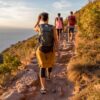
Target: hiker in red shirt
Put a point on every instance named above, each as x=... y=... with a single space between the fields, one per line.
x=71 y=27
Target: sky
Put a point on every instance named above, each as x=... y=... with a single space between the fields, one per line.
x=23 y=13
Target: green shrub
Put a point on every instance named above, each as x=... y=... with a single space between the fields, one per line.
x=4 y=69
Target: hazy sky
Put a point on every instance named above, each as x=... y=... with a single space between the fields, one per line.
x=23 y=13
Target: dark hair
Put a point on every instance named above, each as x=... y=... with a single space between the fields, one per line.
x=44 y=16
x=71 y=12
x=59 y=14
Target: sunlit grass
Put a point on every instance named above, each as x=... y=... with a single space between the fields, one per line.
x=85 y=67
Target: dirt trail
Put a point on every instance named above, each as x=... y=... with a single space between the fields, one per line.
x=59 y=88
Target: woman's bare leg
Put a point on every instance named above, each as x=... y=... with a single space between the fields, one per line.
x=43 y=83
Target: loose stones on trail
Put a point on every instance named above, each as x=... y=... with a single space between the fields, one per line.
x=12 y=95
x=22 y=85
x=28 y=79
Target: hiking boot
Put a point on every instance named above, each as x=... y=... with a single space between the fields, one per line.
x=43 y=91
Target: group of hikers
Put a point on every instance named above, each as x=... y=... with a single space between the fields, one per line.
x=70 y=28
x=49 y=37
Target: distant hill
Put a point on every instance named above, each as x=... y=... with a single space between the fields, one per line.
x=84 y=68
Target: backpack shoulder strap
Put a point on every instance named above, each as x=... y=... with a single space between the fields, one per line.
x=41 y=27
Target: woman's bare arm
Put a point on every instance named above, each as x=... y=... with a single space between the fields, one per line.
x=56 y=42
x=55 y=37
x=38 y=21
x=36 y=29
x=55 y=21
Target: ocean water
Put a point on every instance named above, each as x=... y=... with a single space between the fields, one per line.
x=10 y=36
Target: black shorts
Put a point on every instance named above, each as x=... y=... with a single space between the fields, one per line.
x=59 y=31
x=43 y=72
x=71 y=29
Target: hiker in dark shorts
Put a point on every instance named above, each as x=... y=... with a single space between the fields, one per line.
x=59 y=25
x=45 y=52
x=71 y=27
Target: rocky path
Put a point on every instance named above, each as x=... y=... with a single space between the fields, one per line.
x=27 y=86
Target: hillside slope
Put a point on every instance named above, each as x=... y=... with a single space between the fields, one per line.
x=84 y=68
x=15 y=58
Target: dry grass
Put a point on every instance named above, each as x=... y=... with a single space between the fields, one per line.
x=16 y=56
x=84 y=69
x=92 y=92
